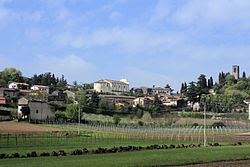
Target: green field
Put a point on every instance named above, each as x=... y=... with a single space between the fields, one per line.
x=138 y=158
x=93 y=137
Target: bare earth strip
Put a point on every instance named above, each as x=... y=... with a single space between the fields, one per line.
x=241 y=163
x=8 y=127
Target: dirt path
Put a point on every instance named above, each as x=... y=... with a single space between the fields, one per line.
x=9 y=127
x=240 y=163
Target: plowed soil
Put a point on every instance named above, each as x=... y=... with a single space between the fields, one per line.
x=9 y=127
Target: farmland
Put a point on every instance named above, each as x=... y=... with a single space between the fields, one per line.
x=19 y=138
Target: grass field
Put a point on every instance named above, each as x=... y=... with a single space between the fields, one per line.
x=65 y=138
x=139 y=158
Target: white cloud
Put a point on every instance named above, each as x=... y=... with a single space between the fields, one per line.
x=73 y=67
x=213 y=12
x=114 y=15
x=129 y=40
x=161 y=10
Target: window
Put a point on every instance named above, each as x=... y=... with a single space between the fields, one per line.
x=37 y=111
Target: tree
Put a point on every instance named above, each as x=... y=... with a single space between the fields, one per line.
x=116 y=119
x=244 y=75
x=156 y=100
x=230 y=80
x=169 y=87
x=94 y=100
x=202 y=85
x=72 y=111
x=192 y=92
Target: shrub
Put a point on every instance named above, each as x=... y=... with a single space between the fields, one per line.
x=60 y=114
x=116 y=119
x=195 y=124
x=147 y=117
x=140 y=123
x=218 y=124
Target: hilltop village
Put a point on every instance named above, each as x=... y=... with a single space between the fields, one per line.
x=45 y=97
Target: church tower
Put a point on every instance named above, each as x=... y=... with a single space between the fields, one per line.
x=236 y=71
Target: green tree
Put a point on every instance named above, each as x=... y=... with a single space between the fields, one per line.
x=116 y=119
x=72 y=111
x=192 y=92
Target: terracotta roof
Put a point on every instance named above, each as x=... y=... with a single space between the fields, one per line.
x=40 y=86
x=25 y=91
x=19 y=83
x=160 y=88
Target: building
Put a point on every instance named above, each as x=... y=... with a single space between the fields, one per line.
x=33 y=109
x=19 y=85
x=117 y=99
x=150 y=91
x=248 y=102
x=141 y=90
x=111 y=86
x=2 y=101
x=144 y=101
x=171 y=100
x=236 y=71
x=69 y=93
x=57 y=96
x=161 y=90
x=41 y=88
x=9 y=92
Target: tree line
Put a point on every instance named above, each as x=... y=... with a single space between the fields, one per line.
x=228 y=92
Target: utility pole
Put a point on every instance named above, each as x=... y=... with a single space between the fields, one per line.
x=76 y=102
x=205 y=140
x=79 y=119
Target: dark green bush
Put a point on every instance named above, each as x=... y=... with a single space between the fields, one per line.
x=218 y=124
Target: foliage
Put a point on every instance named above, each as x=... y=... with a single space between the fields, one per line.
x=116 y=119
x=221 y=124
x=72 y=111
x=195 y=115
x=9 y=75
x=60 y=114
x=140 y=123
x=147 y=117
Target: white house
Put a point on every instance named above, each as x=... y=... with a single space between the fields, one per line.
x=112 y=86
x=247 y=101
x=40 y=88
x=18 y=85
x=161 y=90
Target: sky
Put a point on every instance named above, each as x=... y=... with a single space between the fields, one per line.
x=148 y=42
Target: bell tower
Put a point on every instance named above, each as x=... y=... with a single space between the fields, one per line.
x=236 y=71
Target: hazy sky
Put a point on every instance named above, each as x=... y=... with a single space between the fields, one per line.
x=149 y=42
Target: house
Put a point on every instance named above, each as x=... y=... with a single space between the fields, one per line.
x=247 y=101
x=41 y=88
x=171 y=100
x=19 y=85
x=141 y=90
x=33 y=109
x=59 y=96
x=69 y=93
x=150 y=91
x=144 y=101
x=2 y=101
x=9 y=92
x=5 y=115
x=111 y=86
x=118 y=99
x=160 y=90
